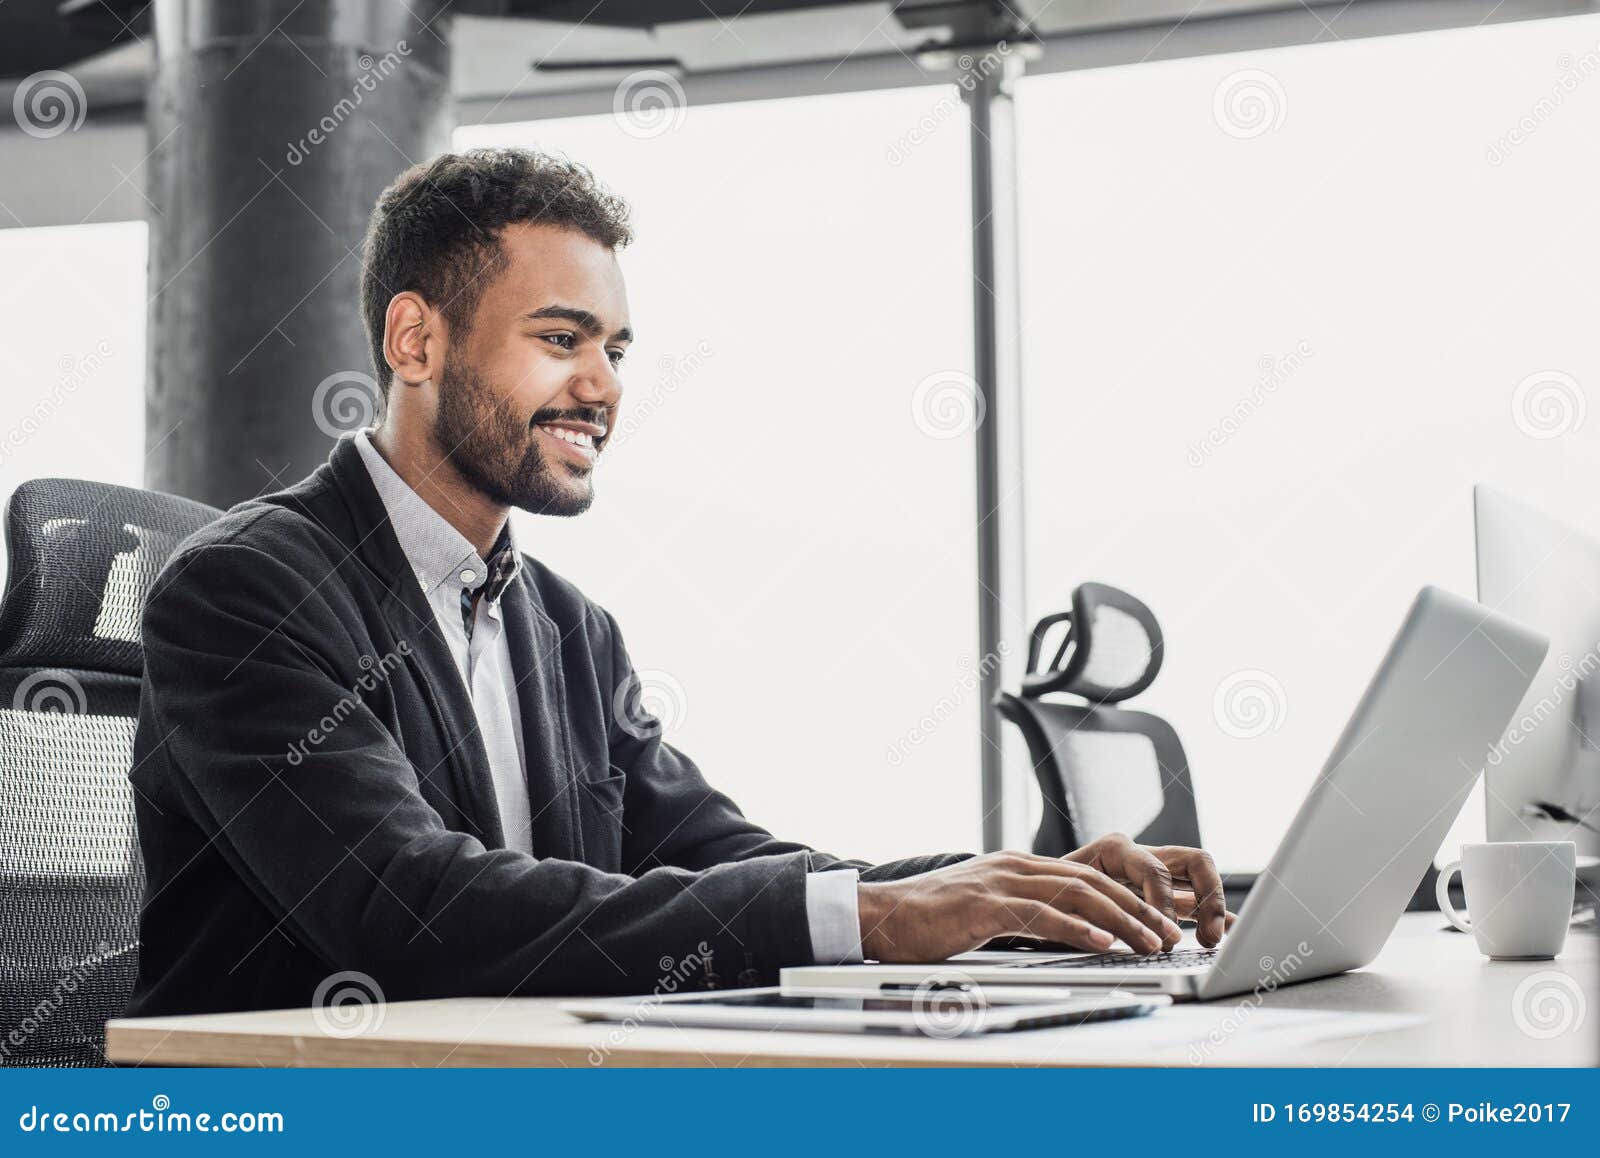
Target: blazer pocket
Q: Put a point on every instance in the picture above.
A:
(602, 822)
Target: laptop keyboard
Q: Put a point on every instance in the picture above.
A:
(1177, 959)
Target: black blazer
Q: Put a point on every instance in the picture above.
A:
(312, 795)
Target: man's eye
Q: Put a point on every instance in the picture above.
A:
(565, 341)
(617, 356)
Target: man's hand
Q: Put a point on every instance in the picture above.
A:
(1083, 900)
(938, 914)
(1181, 882)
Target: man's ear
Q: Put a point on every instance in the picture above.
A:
(412, 339)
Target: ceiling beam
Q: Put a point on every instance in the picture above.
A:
(77, 177)
(1094, 47)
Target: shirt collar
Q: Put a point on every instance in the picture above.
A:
(438, 553)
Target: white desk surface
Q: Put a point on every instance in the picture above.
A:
(1455, 1006)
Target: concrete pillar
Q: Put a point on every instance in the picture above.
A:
(273, 126)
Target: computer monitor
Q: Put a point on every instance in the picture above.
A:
(1545, 574)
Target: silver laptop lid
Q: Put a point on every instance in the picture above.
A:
(1382, 804)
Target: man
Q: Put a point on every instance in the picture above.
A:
(375, 737)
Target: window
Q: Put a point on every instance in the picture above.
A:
(73, 401)
(1281, 310)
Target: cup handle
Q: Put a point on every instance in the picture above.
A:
(1441, 893)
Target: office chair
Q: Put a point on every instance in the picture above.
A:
(1101, 768)
(81, 558)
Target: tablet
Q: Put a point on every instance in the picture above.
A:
(955, 1012)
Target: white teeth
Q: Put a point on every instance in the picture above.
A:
(575, 437)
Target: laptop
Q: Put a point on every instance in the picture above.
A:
(1354, 853)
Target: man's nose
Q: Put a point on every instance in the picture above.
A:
(598, 382)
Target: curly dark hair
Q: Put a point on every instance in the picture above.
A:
(436, 230)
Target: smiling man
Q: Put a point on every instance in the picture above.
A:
(378, 738)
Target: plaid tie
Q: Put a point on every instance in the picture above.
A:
(502, 566)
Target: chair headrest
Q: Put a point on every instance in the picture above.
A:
(81, 557)
(1110, 648)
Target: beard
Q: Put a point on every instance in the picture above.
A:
(497, 451)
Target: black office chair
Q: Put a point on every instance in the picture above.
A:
(1101, 768)
(81, 558)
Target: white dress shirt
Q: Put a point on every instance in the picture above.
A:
(446, 564)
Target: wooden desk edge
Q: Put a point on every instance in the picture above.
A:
(138, 1044)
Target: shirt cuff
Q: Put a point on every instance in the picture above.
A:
(834, 918)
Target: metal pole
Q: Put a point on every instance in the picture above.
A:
(273, 127)
(987, 88)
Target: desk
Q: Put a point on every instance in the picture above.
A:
(1463, 1010)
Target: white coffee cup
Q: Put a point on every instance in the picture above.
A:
(1519, 894)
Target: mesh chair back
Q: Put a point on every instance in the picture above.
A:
(81, 557)
(1101, 768)
(1110, 648)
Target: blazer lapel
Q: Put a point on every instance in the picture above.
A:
(410, 617)
(465, 758)
(547, 758)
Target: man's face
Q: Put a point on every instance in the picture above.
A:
(529, 399)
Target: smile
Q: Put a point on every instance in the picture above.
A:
(578, 438)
